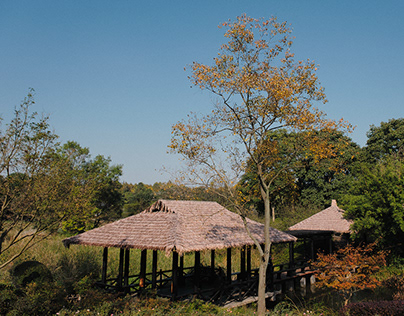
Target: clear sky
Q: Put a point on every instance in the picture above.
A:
(111, 73)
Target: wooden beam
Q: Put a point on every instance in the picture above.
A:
(311, 245)
(142, 275)
(291, 255)
(270, 275)
(120, 269)
(228, 265)
(154, 269)
(104, 266)
(212, 264)
(242, 262)
(330, 245)
(174, 277)
(197, 269)
(126, 270)
(181, 279)
(248, 262)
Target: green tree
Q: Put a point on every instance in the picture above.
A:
(306, 182)
(376, 202)
(260, 88)
(137, 197)
(43, 185)
(100, 180)
(36, 190)
(385, 140)
(320, 182)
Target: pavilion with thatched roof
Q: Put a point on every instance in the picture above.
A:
(177, 227)
(325, 228)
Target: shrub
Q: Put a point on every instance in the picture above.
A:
(8, 296)
(30, 271)
(74, 267)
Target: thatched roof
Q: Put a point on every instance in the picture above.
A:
(331, 220)
(181, 226)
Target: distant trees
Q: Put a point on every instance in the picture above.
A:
(44, 186)
(99, 180)
(136, 197)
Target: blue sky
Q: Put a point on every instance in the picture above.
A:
(111, 73)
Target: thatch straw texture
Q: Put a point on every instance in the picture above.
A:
(331, 219)
(181, 226)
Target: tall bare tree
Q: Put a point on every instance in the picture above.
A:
(259, 88)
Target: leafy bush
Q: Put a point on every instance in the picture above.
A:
(30, 271)
(39, 299)
(381, 308)
(8, 295)
(74, 267)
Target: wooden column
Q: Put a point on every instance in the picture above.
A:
(270, 275)
(104, 266)
(181, 279)
(229, 265)
(248, 262)
(174, 277)
(291, 259)
(291, 254)
(197, 269)
(311, 245)
(242, 262)
(142, 274)
(306, 256)
(126, 270)
(120, 269)
(330, 245)
(212, 264)
(154, 269)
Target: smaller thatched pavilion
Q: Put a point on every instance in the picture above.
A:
(324, 230)
(177, 227)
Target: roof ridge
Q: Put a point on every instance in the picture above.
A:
(158, 206)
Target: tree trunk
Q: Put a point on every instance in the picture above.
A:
(264, 259)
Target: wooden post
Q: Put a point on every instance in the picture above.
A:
(306, 258)
(104, 266)
(142, 274)
(330, 245)
(291, 254)
(248, 262)
(126, 271)
(311, 245)
(120, 269)
(291, 258)
(212, 264)
(181, 279)
(270, 275)
(154, 269)
(242, 262)
(228, 265)
(174, 277)
(197, 269)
